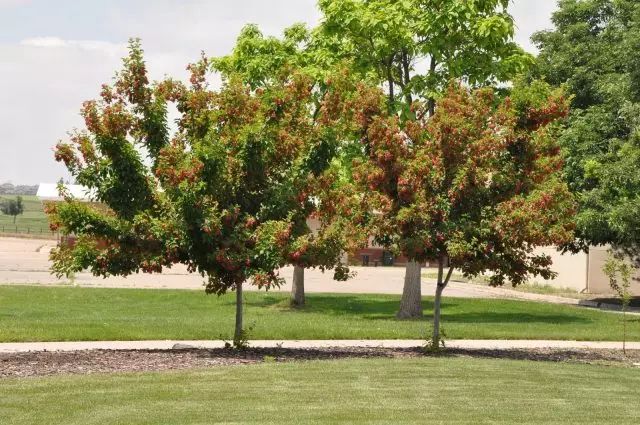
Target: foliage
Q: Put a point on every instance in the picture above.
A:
(477, 184)
(390, 41)
(222, 196)
(620, 271)
(12, 207)
(593, 52)
(8, 188)
(262, 61)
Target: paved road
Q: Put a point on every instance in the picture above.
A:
(25, 261)
(389, 343)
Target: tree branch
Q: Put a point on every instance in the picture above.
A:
(432, 101)
(390, 79)
(407, 78)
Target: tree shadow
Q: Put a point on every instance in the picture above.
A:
(365, 306)
(375, 307)
(518, 317)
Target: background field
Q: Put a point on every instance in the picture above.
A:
(32, 221)
(32, 313)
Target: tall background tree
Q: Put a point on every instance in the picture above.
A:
(413, 48)
(223, 196)
(594, 51)
(261, 61)
(477, 186)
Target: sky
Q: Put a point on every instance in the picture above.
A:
(56, 54)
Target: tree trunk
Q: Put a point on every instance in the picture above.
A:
(14, 219)
(238, 334)
(390, 79)
(297, 287)
(437, 302)
(411, 303)
(431, 103)
(435, 339)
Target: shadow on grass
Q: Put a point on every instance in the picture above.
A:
(495, 317)
(371, 307)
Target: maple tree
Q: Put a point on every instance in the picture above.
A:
(260, 60)
(224, 195)
(412, 49)
(475, 187)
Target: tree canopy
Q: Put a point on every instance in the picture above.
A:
(477, 185)
(415, 47)
(223, 196)
(12, 207)
(593, 51)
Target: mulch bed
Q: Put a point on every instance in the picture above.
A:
(15, 365)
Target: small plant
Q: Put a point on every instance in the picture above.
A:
(269, 359)
(242, 341)
(433, 346)
(619, 272)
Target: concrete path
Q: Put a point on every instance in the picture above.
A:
(400, 343)
(26, 261)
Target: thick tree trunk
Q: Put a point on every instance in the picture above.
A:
(437, 303)
(237, 336)
(297, 287)
(411, 303)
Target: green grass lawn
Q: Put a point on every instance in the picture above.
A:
(380, 391)
(36, 313)
(533, 287)
(33, 217)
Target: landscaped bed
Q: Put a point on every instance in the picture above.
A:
(407, 390)
(44, 363)
(33, 313)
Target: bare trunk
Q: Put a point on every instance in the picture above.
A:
(238, 334)
(437, 302)
(411, 303)
(297, 287)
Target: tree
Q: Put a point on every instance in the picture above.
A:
(260, 61)
(593, 51)
(476, 187)
(223, 196)
(13, 207)
(620, 271)
(412, 48)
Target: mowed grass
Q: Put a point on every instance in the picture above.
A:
(380, 391)
(33, 217)
(37, 313)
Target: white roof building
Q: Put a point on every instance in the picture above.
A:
(49, 192)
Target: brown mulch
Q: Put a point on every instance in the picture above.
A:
(106, 361)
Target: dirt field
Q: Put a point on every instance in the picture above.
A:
(25, 261)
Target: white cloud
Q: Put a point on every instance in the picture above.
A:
(45, 78)
(112, 49)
